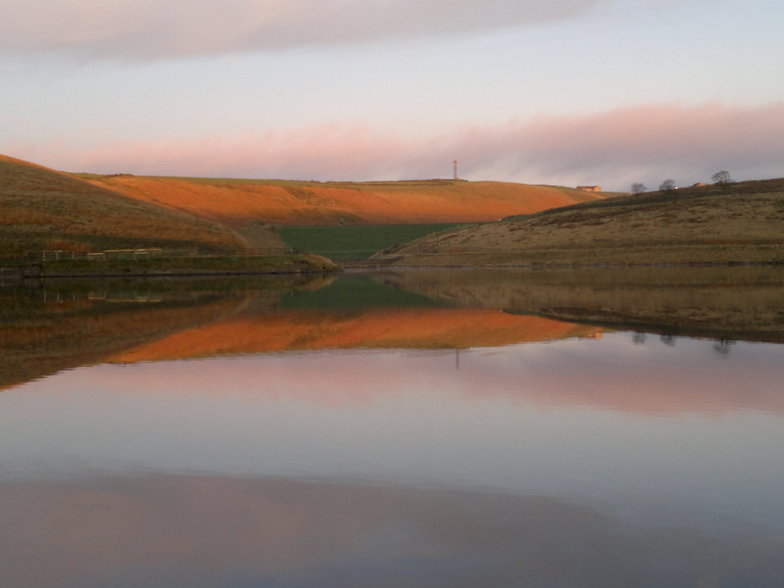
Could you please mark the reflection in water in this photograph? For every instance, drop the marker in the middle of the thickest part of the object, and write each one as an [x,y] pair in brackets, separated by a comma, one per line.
[718,302]
[163,530]
[309,329]
[251,436]
[646,465]
[63,325]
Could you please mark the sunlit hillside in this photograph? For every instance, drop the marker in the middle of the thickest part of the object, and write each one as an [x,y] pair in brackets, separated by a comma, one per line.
[735,223]
[240,202]
[45,209]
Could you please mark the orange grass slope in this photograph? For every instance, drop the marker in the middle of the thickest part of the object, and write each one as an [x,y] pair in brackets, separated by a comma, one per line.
[240,202]
[42,208]
[410,328]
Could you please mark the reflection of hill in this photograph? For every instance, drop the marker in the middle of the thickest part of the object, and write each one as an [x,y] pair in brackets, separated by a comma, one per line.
[84,332]
[45,331]
[303,329]
[742,303]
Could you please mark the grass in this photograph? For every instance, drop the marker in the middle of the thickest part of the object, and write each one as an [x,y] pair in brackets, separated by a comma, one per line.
[238,202]
[42,207]
[354,241]
[699,225]
[45,209]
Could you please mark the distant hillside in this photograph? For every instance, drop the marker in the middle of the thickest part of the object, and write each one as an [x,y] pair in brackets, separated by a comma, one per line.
[738,223]
[44,209]
[241,202]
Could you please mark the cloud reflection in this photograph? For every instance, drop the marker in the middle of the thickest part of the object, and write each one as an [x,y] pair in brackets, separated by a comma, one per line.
[610,374]
[168,530]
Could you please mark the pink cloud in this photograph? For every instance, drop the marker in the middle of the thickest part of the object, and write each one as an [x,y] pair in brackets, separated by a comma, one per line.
[614,148]
[619,381]
[148,29]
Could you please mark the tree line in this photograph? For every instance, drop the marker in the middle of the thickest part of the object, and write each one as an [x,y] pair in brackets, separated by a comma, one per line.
[722,178]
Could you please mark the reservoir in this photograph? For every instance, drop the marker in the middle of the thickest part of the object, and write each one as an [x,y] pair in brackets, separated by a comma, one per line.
[407,429]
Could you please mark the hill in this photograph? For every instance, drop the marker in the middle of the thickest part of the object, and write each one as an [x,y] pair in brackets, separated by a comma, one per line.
[44,209]
[240,203]
[732,224]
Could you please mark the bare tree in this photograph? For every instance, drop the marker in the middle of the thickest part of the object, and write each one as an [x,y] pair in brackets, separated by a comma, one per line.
[723,179]
[638,188]
[667,186]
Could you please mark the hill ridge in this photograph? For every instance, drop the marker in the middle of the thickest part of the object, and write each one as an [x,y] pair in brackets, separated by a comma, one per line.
[237,202]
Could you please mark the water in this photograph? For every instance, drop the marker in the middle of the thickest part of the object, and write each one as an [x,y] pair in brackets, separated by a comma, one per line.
[359,433]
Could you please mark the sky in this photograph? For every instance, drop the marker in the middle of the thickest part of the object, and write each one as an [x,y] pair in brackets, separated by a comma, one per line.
[564,92]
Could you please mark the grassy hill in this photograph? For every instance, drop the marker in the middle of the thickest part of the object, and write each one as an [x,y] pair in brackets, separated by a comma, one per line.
[239,203]
[45,209]
[712,224]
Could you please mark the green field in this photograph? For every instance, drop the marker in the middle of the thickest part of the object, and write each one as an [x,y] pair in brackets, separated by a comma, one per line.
[354,241]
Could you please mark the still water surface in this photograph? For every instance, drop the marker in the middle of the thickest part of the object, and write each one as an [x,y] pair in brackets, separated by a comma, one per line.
[394,444]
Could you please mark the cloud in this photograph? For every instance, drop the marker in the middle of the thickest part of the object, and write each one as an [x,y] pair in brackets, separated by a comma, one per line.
[614,148]
[646,142]
[142,29]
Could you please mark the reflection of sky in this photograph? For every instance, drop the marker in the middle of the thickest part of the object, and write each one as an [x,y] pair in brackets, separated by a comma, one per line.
[680,425]
[207,531]
[572,463]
